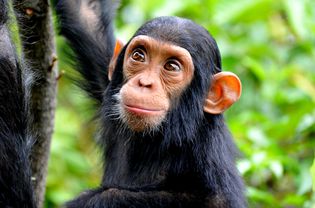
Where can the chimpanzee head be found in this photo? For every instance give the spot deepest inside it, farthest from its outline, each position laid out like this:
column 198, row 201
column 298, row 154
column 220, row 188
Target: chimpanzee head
column 169, row 75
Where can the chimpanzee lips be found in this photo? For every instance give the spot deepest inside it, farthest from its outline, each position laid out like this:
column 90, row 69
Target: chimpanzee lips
column 139, row 110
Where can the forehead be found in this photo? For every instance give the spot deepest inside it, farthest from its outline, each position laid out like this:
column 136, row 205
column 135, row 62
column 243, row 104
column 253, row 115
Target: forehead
column 154, row 44
column 178, row 31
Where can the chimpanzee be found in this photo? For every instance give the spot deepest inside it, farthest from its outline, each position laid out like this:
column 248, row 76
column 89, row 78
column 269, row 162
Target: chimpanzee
column 160, row 97
column 15, row 141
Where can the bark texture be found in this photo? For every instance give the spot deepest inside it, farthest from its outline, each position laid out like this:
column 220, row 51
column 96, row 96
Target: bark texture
column 38, row 46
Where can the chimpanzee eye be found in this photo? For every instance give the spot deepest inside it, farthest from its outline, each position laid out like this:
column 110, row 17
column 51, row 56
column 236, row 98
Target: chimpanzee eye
column 172, row 66
column 138, row 55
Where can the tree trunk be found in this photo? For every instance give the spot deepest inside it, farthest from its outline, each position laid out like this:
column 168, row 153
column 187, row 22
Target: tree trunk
column 38, row 45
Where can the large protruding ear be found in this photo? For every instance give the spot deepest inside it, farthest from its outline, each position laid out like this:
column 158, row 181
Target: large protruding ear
column 119, row 45
column 225, row 90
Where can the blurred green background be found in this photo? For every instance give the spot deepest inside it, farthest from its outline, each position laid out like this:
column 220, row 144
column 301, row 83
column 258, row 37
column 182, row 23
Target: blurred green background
column 271, row 46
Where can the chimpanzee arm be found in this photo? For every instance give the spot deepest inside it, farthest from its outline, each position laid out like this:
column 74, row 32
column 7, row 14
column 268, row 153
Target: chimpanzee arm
column 15, row 174
column 87, row 25
column 112, row 198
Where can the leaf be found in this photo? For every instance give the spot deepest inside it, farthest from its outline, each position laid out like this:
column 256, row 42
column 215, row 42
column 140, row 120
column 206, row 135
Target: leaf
column 307, row 122
column 258, row 137
column 233, row 10
column 305, row 183
column 313, row 174
column 277, row 168
column 296, row 14
column 255, row 67
column 304, row 84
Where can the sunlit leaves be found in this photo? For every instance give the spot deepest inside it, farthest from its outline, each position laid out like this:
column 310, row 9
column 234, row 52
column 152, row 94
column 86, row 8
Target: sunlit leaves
column 297, row 16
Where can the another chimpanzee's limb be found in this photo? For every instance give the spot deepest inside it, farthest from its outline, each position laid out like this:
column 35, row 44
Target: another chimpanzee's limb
column 88, row 27
column 3, row 12
column 15, row 174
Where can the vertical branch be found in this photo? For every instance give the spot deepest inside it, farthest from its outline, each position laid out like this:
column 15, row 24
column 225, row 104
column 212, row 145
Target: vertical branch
column 37, row 37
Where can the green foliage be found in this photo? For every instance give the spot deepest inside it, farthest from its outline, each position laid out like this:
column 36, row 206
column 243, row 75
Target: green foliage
column 271, row 46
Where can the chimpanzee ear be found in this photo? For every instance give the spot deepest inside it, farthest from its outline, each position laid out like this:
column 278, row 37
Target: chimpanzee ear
column 226, row 89
column 119, row 45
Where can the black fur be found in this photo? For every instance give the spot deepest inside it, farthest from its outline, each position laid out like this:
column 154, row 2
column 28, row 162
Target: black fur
column 93, row 51
column 3, row 12
column 190, row 162
column 15, row 175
